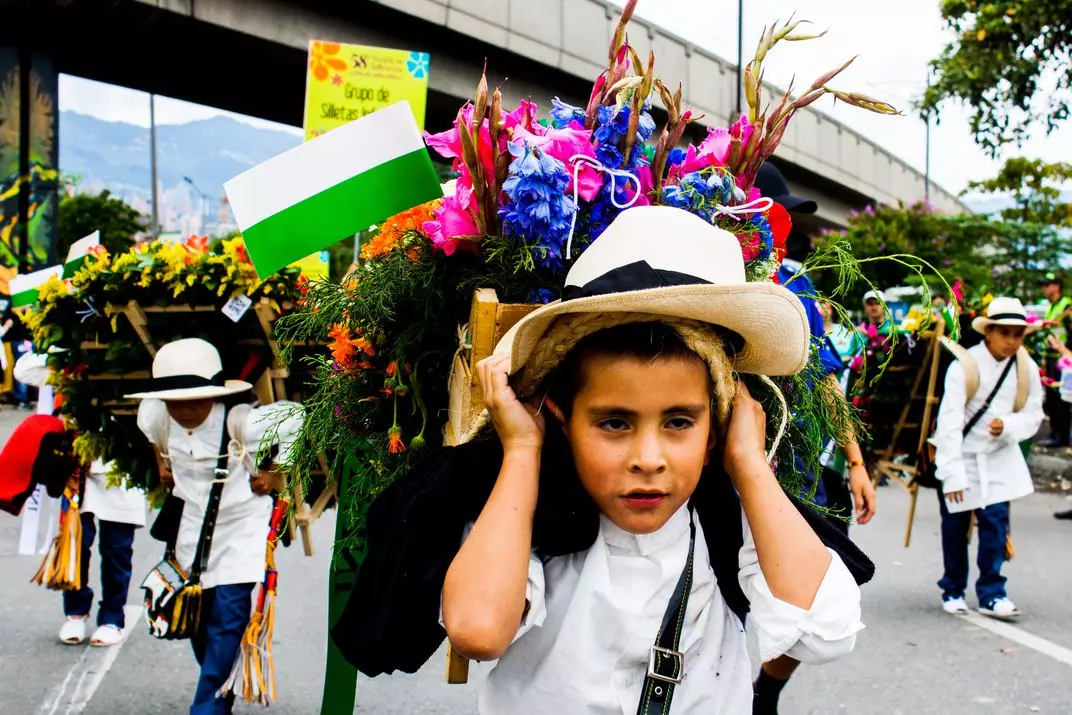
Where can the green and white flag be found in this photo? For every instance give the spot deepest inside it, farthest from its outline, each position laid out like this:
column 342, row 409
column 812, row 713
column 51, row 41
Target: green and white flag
column 24, row 288
column 77, row 255
column 332, row 187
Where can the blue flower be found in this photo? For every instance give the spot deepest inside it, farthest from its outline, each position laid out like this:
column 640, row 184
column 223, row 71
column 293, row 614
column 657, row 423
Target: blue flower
column 417, row 64
column 676, row 156
column 542, row 295
column 537, row 209
column 565, row 114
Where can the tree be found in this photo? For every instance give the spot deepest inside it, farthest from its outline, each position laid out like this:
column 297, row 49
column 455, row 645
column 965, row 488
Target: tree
column 1005, row 257
column 1033, row 185
column 82, row 214
column 1011, row 63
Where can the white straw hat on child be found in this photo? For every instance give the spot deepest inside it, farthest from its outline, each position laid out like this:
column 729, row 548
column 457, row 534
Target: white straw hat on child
column 666, row 262
column 189, row 369
column 1004, row 311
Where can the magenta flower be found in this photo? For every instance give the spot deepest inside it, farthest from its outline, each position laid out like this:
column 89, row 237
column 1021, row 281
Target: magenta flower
column 453, row 219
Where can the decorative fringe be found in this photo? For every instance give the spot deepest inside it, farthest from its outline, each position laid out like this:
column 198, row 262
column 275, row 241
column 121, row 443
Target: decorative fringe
column 253, row 675
column 61, row 569
column 187, row 611
column 1010, row 550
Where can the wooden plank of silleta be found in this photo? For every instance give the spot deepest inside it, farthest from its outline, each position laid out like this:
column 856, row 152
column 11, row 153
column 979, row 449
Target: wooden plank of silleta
column 457, row 667
column 136, row 315
column 179, row 309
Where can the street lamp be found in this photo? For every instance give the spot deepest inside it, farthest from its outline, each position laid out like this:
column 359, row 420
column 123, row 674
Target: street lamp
column 204, row 204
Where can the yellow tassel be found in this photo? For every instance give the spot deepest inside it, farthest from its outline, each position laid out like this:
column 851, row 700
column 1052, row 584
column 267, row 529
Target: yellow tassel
column 187, row 613
column 1010, row 550
column 61, row 569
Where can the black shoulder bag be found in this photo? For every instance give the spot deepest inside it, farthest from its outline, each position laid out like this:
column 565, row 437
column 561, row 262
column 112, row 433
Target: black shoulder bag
column 926, row 470
column 666, row 664
column 173, row 598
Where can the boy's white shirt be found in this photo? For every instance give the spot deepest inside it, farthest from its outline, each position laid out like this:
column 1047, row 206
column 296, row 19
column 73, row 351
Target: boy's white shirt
column 989, row 470
column 593, row 616
column 240, row 539
column 115, row 504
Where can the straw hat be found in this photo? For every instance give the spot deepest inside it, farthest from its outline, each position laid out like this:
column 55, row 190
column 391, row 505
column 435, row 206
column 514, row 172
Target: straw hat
column 189, row 369
column 1004, row 311
column 665, row 262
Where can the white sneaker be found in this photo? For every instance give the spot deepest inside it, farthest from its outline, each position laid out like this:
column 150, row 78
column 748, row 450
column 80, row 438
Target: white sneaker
column 73, row 631
column 107, row 635
column 1002, row 609
column 955, row 606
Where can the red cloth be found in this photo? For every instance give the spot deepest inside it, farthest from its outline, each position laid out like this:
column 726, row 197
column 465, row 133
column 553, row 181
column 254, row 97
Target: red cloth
column 20, row 454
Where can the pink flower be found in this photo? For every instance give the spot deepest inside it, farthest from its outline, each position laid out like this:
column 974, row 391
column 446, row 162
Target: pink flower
column 448, row 144
column 452, row 220
column 564, row 144
column 872, row 331
column 647, row 185
column 743, row 130
column 958, row 291
column 856, row 363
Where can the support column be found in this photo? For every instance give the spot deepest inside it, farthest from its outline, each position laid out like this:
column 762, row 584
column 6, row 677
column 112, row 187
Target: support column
column 29, row 161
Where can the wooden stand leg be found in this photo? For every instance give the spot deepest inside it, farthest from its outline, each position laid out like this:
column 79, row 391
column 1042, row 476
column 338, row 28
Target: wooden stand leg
column 913, row 496
column 301, row 516
column 457, row 667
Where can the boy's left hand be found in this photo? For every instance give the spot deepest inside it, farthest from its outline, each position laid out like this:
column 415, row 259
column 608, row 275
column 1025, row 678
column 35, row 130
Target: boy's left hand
column 863, row 493
column 996, row 428
column 746, row 435
column 266, row 482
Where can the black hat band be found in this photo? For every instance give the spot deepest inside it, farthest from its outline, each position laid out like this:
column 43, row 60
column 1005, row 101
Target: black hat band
column 187, row 382
column 631, row 277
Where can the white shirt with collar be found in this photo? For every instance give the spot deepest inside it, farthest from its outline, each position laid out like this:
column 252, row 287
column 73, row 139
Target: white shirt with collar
column 989, row 470
column 593, row 616
column 239, row 542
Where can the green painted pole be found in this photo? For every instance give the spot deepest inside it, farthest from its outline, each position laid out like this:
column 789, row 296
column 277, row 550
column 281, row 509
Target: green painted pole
column 340, row 678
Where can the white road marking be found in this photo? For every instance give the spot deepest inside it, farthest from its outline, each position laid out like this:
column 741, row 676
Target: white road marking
column 1013, row 633
column 73, row 694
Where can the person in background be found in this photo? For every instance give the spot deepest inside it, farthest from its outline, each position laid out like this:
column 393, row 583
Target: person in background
column 16, row 339
column 841, row 336
column 1059, row 312
column 875, row 313
column 979, row 461
column 774, row 674
column 1065, row 368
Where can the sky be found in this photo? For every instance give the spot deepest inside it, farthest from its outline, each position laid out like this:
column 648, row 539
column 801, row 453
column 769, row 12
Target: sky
column 893, row 42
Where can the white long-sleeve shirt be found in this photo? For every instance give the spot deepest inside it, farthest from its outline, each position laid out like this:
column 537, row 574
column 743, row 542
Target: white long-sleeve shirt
column 241, row 536
column 989, row 470
column 593, row 616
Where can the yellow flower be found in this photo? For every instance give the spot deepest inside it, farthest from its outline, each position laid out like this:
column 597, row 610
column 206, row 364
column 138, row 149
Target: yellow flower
column 987, row 299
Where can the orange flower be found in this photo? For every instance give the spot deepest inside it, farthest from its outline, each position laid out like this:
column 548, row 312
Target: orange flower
column 364, row 346
column 392, row 369
column 322, row 63
column 342, row 346
column 196, row 244
column 394, row 230
column 394, row 441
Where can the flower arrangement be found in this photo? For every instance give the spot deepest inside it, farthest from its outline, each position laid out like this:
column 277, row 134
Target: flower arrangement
column 530, row 195
column 82, row 317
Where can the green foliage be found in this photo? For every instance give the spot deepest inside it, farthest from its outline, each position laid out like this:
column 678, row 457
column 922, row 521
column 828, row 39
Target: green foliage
column 1011, row 63
column 1004, row 256
column 82, row 214
column 1034, row 186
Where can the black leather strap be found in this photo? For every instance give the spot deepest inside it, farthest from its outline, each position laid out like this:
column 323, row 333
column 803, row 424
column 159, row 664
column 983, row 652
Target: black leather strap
column 212, row 509
column 666, row 664
column 989, row 398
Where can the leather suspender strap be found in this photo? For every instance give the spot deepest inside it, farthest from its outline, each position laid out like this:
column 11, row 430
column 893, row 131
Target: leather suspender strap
column 990, row 398
column 666, row 664
column 212, row 509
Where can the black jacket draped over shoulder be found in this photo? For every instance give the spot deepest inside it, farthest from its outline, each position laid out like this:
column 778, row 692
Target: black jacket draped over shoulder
column 415, row 527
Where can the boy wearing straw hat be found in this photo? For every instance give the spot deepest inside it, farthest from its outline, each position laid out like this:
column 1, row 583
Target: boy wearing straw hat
column 635, row 374
column 189, row 422
column 978, row 457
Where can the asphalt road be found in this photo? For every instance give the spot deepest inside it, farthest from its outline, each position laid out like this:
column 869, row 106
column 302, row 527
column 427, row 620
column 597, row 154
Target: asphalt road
column 911, row 659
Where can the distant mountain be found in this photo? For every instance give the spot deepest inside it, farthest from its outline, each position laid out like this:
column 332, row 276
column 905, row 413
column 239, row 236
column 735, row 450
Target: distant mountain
column 115, row 156
column 994, row 204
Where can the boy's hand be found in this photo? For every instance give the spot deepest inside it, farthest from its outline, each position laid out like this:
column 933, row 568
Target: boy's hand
column 863, row 493
column 955, row 497
column 746, row 436
column 266, row 482
column 996, row 428
column 520, row 426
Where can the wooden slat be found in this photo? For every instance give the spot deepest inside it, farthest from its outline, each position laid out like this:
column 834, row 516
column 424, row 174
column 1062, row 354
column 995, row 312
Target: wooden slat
column 457, row 667
column 136, row 375
column 136, row 315
column 179, row 309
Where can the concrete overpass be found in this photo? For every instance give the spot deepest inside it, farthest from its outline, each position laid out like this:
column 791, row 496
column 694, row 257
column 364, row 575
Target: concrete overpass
column 248, row 56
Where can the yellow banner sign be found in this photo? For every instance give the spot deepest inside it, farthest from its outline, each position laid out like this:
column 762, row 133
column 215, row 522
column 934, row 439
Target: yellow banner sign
column 347, row 82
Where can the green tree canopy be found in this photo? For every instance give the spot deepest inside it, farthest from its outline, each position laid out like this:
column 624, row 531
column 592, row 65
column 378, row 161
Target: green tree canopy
column 1035, row 187
column 1005, row 257
column 1011, row 63
column 82, row 214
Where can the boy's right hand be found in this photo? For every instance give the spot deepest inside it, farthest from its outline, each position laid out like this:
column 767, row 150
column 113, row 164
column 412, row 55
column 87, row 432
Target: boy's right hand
column 520, row 426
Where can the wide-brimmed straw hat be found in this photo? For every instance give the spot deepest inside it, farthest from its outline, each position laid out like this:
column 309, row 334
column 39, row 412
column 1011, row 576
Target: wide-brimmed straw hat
column 1004, row 311
column 189, row 369
column 661, row 261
